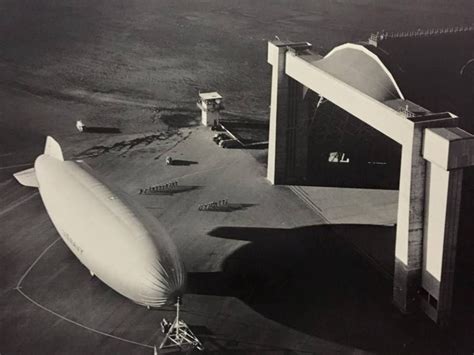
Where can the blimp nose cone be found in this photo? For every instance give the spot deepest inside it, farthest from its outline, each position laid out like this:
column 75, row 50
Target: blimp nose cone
column 162, row 285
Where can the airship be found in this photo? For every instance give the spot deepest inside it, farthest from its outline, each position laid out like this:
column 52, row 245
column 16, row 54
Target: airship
column 118, row 240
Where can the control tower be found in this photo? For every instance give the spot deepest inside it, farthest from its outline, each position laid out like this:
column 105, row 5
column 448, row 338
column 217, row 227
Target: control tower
column 210, row 104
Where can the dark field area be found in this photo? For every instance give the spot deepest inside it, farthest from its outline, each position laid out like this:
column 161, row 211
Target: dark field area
column 131, row 62
column 266, row 278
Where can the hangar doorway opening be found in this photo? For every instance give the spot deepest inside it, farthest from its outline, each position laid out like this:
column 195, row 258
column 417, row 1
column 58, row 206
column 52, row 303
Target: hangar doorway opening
column 343, row 151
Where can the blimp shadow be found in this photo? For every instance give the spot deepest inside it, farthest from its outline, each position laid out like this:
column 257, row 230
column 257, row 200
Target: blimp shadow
column 311, row 279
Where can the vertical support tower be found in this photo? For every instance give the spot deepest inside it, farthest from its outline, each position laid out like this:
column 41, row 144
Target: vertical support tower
column 446, row 151
column 288, row 138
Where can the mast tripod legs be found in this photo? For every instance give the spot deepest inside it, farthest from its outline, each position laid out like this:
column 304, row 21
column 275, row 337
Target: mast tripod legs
column 178, row 333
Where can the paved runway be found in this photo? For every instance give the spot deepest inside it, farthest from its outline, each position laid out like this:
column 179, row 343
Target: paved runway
column 51, row 279
column 262, row 278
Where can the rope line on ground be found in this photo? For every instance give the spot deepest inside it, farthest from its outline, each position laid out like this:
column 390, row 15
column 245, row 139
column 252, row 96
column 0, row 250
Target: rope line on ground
column 18, row 285
column 56, row 314
column 15, row 166
column 18, row 203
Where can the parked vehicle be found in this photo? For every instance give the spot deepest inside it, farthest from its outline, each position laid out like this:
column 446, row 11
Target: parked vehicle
column 219, row 137
column 229, row 143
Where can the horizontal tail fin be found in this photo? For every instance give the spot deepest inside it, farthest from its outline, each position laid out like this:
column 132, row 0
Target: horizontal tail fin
column 53, row 149
column 27, row 177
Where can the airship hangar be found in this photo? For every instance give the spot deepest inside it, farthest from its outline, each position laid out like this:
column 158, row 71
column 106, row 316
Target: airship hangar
column 374, row 255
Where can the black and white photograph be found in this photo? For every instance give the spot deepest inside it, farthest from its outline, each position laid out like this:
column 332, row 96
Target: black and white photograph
column 266, row 177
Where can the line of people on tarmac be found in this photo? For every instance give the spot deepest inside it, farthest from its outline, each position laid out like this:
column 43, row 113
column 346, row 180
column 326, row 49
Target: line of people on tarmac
column 213, row 205
column 159, row 188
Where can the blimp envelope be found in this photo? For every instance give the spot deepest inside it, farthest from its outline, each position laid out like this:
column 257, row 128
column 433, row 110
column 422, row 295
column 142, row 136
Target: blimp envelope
column 118, row 240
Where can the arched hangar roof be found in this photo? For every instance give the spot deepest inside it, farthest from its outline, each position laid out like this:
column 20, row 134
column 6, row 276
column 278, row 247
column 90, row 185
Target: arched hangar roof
column 361, row 68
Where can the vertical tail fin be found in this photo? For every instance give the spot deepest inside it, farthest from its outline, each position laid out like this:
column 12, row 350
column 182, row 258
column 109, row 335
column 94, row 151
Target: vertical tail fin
column 53, row 149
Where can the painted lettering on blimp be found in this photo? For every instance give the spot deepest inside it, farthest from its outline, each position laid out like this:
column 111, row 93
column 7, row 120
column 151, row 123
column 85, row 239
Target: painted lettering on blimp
column 72, row 242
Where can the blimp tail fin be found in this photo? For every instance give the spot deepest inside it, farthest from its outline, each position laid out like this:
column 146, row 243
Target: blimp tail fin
column 27, row 177
column 53, row 149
